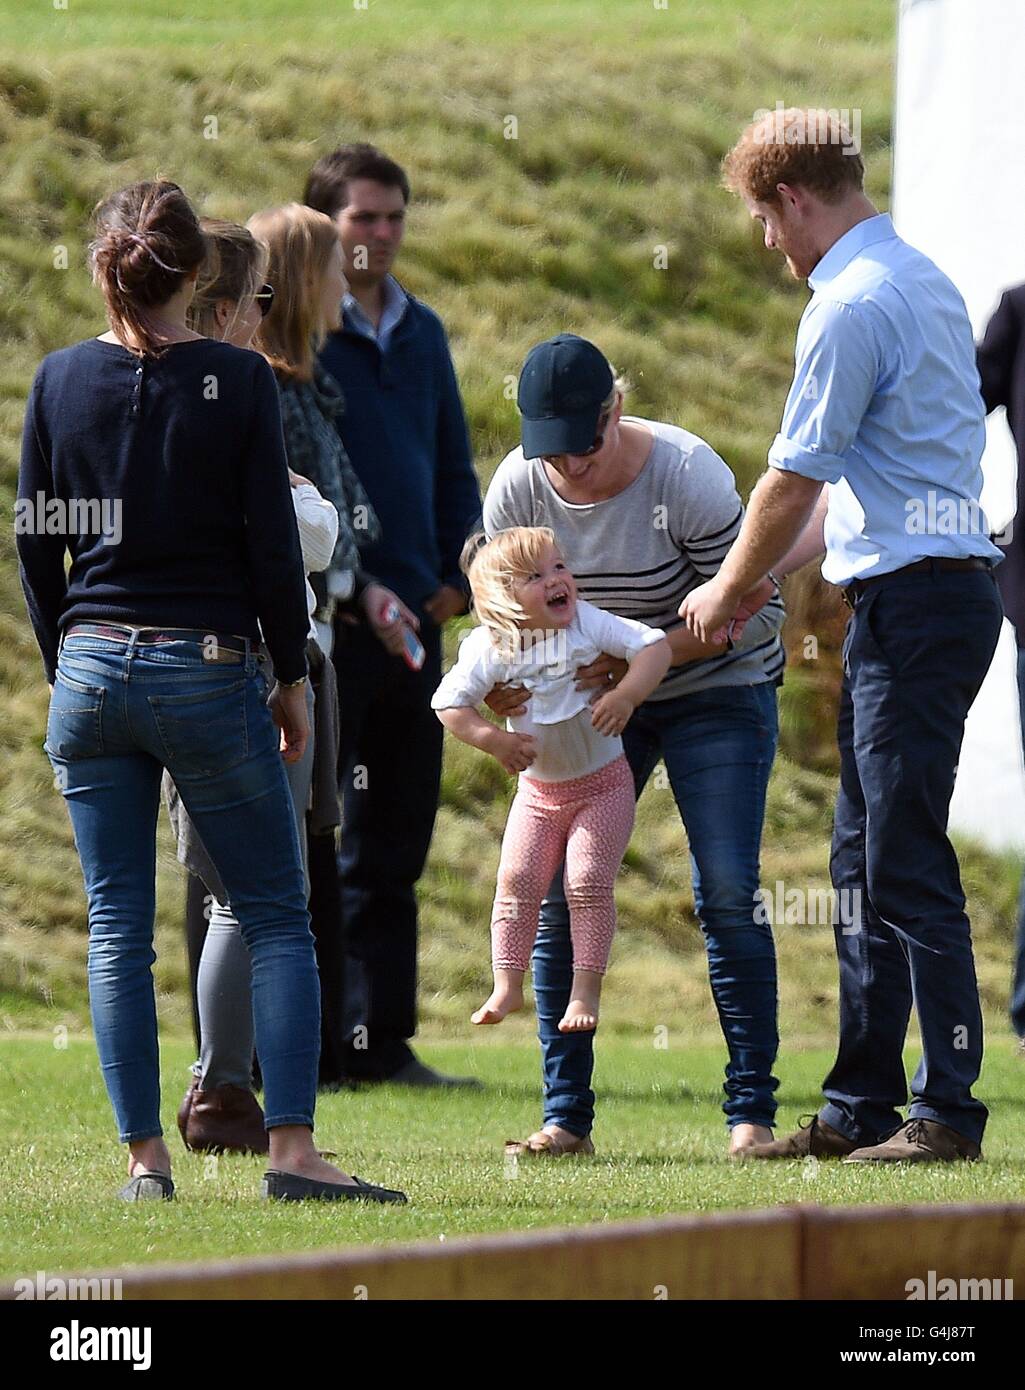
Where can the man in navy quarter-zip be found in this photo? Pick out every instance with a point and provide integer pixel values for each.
(405, 432)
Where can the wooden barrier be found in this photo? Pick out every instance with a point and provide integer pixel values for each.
(798, 1252)
(872, 1252)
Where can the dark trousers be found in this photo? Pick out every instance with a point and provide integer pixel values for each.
(916, 651)
(1018, 985)
(390, 775)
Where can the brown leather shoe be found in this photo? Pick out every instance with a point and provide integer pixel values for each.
(920, 1141)
(815, 1139)
(225, 1119)
(185, 1110)
(541, 1144)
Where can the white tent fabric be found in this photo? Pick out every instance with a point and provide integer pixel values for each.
(959, 196)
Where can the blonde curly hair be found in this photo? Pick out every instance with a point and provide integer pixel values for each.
(493, 569)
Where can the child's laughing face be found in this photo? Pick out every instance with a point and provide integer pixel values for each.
(548, 597)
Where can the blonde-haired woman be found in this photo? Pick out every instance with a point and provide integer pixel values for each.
(647, 510)
(306, 269)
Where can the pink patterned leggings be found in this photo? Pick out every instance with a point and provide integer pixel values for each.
(586, 819)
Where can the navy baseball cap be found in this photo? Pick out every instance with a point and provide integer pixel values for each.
(563, 385)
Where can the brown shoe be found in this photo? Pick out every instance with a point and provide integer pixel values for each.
(225, 1119)
(815, 1139)
(544, 1145)
(185, 1110)
(920, 1141)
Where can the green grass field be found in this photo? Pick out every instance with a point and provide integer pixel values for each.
(659, 1134)
(255, 26)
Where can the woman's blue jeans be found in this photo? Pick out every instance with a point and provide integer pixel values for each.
(121, 712)
(718, 747)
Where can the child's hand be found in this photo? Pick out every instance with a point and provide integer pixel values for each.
(514, 751)
(611, 712)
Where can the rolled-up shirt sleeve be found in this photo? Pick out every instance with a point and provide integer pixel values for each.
(836, 371)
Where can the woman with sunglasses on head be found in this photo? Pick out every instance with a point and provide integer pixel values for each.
(148, 643)
(220, 1111)
(643, 512)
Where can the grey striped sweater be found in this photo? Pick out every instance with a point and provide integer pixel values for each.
(639, 553)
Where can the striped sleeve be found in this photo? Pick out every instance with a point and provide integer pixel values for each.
(706, 511)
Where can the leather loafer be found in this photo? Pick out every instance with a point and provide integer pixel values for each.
(417, 1073)
(290, 1187)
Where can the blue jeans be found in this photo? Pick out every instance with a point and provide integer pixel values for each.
(224, 996)
(119, 714)
(718, 747)
(916, 651)
(1018, 987)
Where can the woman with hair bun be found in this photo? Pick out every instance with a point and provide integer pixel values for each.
(149, 645)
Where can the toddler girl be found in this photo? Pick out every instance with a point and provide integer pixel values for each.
(578, 802)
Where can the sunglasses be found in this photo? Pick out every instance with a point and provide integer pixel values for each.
(599, 440)
(264, 297)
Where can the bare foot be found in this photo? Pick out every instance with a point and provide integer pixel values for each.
(148, 1156)
(578, 1018)
(313, 1166)
(505, 998)
(292, 1151)
(743, 1136)
(581, 1014)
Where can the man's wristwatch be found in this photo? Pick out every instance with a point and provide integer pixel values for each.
(293, 685)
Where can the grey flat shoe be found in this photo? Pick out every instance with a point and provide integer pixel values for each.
(146, 1187)
(289, 1187)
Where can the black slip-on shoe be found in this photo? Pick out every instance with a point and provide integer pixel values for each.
(417, 1073)
(290, 1187)
(146, 1187)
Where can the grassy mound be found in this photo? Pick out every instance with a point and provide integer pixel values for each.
(621, 115)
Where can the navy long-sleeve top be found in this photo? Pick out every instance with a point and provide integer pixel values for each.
(166, 480)
(405, 433)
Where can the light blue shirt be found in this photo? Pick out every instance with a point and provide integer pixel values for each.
(391, 315)
(885, 407)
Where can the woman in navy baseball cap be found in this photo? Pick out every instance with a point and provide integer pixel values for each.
(643, 512)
